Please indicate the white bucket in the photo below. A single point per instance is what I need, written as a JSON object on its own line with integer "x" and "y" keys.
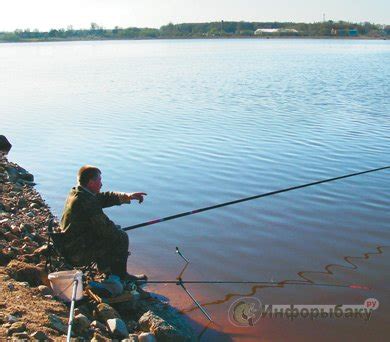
{"x": 62, "y": 284}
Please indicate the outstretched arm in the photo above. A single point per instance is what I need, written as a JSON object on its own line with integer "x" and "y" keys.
{"x": 108, "y": 199}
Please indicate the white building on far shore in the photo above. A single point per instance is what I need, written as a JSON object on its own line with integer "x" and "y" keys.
{"x": 259, "y": 32}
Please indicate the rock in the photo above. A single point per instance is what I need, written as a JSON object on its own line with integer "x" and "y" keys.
{"x": 98, "y": 325}
{"x": 44, "y": 290}
{"x": 5, "y": 145}
{"x": 20, "y": 336}
{"x": 85, "y": 310}
{"x": 169, "y": 315}
{"x": 27, "y": 249}
{"x": 105, "y": 312}
{"x": 33, "y": 244}
{"x": 2, "y": 232}
{"x": 15, "y": 243}
{"x": 28, "y": 177}
{"x": 25, "y": 227}
{"x": 10, "y": 252}
{"x": 30, "y": 214}
{"x": 3, "y": 318}
{"x": 4, "y": 258}
{"x": 56, "y": 323}
{"x": 12, "y": 173}
{"x": 28, "y": 258}
{"x": 23, "y": 283}
{"x": 81, "y": 323}
{"x": 16, "y": 327}
{"x": 37, "y": 238}
{"x": 10, "y": 237}
{"x": 125, "y": 308}
{"x": 22, "y": 203}
{"x": 17, "y": 187}
{"x": 41, "y": 250}
{"x": 12, "y": 319}
{"x": 27, "y": 239}
{"x": 4, "y": 214}
{"x": 150, "y": 322}
{"x": 15, "y": 230}
{"x": 99, "y": 338}
{"x": 132, "y": 338}
{"x": 117, "y": 328}
{"x": 132, "y": 326}
{"x": 38, "y": 201}
{"x": 6, "y": 207}
{"x": 23, "y": 175}
{"x": 39, "y": 335}
{"x": 146, "y": 337}
{"x": 22, "y": 271}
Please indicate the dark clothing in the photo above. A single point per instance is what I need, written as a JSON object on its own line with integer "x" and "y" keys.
{"x": 89, "y": 234}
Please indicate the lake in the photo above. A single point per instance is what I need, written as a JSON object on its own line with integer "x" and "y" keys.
{"x": 198, "y": 122}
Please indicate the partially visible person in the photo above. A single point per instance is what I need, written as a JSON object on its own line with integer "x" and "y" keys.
{"x": 89, "y": 235}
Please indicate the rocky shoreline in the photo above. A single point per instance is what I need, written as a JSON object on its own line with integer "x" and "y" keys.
{"x": 28, "y": 309}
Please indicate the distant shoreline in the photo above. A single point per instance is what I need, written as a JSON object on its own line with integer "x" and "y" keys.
{"x": 56, "y": 40}
{"x": 208, "y": 30}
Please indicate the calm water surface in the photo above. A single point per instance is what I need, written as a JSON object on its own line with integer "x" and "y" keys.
{"x": 198, "y": 122}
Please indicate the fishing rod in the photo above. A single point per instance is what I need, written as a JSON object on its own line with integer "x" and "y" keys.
{"x": 180, "y": 282}
{"x": 196, "y": 211}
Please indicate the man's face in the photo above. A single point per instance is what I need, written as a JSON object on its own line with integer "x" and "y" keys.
{"x": 94, "y": 185}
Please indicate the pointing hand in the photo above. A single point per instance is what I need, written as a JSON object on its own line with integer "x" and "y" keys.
{"x": 139, "y": 196}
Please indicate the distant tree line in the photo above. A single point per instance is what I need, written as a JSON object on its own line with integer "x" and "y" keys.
{"x": 203, "y": 30}
{"x": 241, "y": 28}
{"x": 94, "y": 33}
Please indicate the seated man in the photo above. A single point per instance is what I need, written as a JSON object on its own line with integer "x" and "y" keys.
{"x": 89, "y": 235}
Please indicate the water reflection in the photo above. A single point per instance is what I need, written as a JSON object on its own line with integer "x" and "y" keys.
{"x": 302, "y": 274}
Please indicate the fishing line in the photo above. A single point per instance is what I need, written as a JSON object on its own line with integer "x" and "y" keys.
{"x": 277, "y": 284}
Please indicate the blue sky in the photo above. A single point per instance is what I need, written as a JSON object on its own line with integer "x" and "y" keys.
{"x": 46, "y": 14}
